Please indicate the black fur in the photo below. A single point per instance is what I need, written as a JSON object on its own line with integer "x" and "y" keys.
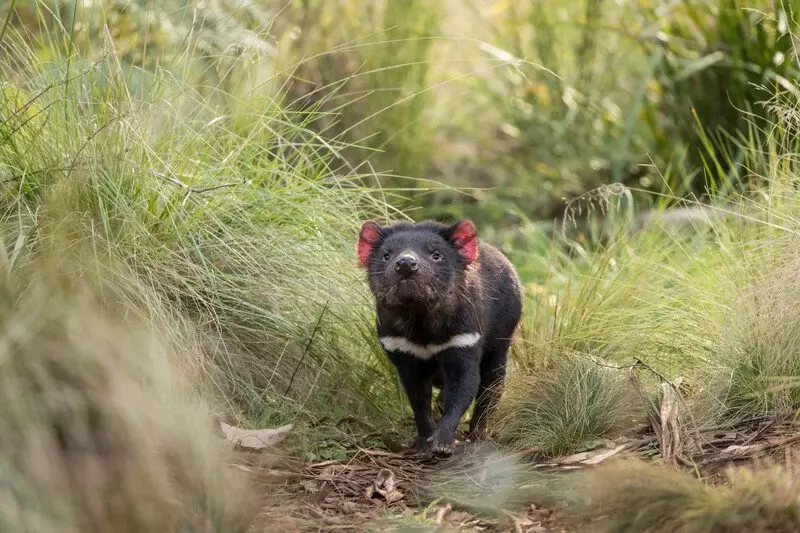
{"x": 445, "y": 296}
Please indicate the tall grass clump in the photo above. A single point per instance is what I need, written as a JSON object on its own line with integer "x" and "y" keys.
{"x": 369, "y": 63}
{"x": 227, "y": 205}
{"x": 719, "y": 61}
{"x": 633, "y": 496}
{"x": 572, "y": 403}
{"x": 102, "y": 426}
{"x": 525, "y": 104}
{"x": 762, "y": 344}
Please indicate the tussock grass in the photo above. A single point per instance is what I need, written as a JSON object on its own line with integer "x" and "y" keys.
{"x": 711, "y": 304}
{"x": 215, "y": 223}
{"x": 632, "y": 496}
{"x": 571, "y": 403}
{"x": 762, "y": 341}
{"x": 570, "y": 96}
{"x": 102, "y": 426}
{"x": 168, "y": 249}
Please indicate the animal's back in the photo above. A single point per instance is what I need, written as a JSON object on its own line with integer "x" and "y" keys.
{"x": 498, "y": 291}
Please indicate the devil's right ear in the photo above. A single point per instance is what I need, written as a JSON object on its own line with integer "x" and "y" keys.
{"x": 369, "y": 237}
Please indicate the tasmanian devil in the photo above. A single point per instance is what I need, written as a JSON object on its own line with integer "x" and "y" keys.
{"x": 447, "y": 307}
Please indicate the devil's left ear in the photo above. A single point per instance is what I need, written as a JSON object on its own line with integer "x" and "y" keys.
{"x": 369, "y": 237}
{"x": 463, "y": 235}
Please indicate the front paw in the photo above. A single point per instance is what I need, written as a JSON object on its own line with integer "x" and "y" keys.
{"x": 421, "y": 446}
{"x": 442, "y": 443}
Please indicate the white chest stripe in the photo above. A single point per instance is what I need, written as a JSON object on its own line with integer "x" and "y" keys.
{"x": 401, "y": 344}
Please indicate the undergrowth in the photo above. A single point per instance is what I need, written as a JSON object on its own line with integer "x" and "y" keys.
{"x": 634, "y": 496}
{"x": 103, "y": 428}
{"x": 230, "y": 209}
{"x": 709, "y": 304}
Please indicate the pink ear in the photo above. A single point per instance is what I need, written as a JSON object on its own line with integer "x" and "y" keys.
{"x": 464, "y": 237}
{"x": 370, "y": 236}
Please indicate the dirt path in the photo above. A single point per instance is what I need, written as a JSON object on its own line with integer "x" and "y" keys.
{"x": 477, "y": 489}
{"x": 480, "y": 488}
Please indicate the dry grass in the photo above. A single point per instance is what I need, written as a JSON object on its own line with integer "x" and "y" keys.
{"x": 632, "y": 497}
{"x": 101, "y": 429}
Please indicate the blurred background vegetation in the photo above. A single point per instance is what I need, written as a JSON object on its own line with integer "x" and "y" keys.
{"x": 514, "y": 106}
{"x": 202, "y": 169}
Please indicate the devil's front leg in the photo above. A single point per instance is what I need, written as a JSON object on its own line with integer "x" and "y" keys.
{"x": 461, "y": 370}
{"x": 416, "y": 376}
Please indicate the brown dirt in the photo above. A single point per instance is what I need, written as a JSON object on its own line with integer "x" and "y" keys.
{"x": 480, "y": 488}
{"x": 376, "y": 490}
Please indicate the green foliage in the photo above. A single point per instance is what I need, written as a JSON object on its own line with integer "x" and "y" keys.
{"x": 519, "y": 105}
{"x": 368, "y": 62}
{"x": 711, "y": 300}
{"x": 230, "y": 210}
{"x": 722, "y": 61}
{"x": 762, "y": 342}
{"x": 206, "y": 165}
{"x": 562, "y": 407}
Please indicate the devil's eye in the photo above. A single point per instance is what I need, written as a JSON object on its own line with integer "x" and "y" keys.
{"x": 386, "y": 256}
{"x": 436, "y": 256}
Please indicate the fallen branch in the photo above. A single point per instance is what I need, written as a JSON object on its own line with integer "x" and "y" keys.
{"x": 739, "y": 452}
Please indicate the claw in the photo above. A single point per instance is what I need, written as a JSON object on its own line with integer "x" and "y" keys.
{"x": 441, "y": 446}
{"x": 421, "y": 446}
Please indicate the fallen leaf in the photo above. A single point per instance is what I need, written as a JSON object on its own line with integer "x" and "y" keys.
{"x": 739, "y": 450}
{"x": 576, "y": 458}
{"x": 254, "y": 439}
{"x": 385, "y": 486}
{"x": 600, "y": 457}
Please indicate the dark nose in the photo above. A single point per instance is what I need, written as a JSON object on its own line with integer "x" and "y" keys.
{"x": 406, "y": 265}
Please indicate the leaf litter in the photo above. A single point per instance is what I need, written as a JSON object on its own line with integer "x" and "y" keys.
{"x": 482, "y": 488}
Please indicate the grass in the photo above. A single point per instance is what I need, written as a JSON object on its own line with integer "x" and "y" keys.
{"x": 636, "y": 497}
{"x": 555, "y": 411}
{"x": 101, "y": 431}
{"x": 232, "y": 213}
{"x": 570, "y": 97}
{"x": 711, "y": 304}
{"x": 213, "y": 231}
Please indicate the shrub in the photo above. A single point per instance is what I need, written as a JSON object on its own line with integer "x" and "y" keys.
{"x": 228, "y": 208}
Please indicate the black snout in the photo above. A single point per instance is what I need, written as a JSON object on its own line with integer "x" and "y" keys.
{"x": 406, "y": 265}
